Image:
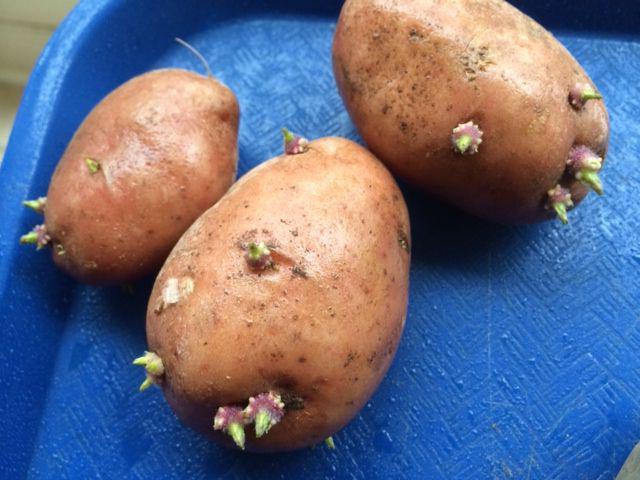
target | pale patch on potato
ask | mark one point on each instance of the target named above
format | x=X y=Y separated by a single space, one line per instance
x=173 y=291
x=476 y=60
x=539 y=122
x=108 y=177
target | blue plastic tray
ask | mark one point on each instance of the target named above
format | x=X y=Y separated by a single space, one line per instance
x=521 y=356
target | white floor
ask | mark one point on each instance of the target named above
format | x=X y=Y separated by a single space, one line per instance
x=10 y=96
x=25 y=26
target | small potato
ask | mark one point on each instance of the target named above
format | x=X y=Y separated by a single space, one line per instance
x=474 y=102
x=145 y=163
x=282 y=306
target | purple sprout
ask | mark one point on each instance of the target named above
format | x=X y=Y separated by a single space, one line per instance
x=93 y=165
x=584 y=164
x=266 y=410
x=231 y=420
x=581 y=93
x=153 y=366
x=258 y=256
x=466 y=138
x=38 y=237
x=559 y=199
x=294 y=144
x=36 y=205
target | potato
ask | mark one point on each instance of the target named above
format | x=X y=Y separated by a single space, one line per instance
x=288 y=297
x=473 y=102
x=145 y=163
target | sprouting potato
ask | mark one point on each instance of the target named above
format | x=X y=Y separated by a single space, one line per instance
x=145 y=163
x=474 y=102
x=282 y=306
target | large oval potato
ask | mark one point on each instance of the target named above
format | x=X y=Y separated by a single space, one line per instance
x=318 y=326
x=145 y=163
x=412 y=71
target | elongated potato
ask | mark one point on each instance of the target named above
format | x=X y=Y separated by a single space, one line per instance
x=145 y=163
x=474 y=102
x=288 y=297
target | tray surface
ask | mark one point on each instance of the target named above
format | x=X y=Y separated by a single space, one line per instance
x=521 y=355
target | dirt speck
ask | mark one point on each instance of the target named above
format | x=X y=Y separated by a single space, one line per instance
x=292 y=402
x=299 y=271
x=415 y=36
x=351 y=356
x=403 y=240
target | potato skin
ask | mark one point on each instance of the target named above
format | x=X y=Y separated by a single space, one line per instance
x=326 y=334
x=166 y=142
x=410 y=71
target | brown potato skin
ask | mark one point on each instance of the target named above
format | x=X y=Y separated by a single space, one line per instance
x=410 y=71
x=166 y=142
x=336 y=213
